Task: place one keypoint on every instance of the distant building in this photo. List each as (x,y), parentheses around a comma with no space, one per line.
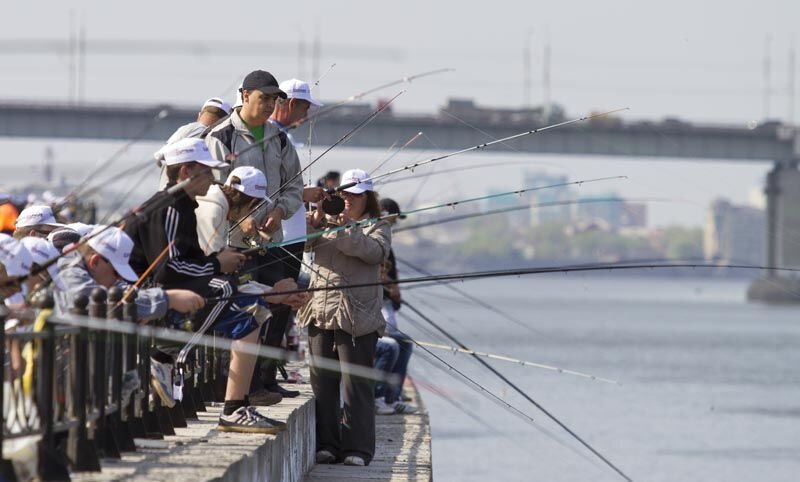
(552,213)
(611,211)
(467,110)
(734,233)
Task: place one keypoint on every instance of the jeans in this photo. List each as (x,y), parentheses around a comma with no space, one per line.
(386,352)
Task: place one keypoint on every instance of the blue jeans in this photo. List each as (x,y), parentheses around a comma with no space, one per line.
(400,368)
(387,351)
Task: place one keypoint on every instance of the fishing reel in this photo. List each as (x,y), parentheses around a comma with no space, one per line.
(333,205)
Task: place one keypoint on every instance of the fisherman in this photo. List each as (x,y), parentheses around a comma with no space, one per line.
(37,220)
(15,262)
(388,395)
(210,113)
(104,262)
(234,138)
(295,108)
(172,231)
(331,180)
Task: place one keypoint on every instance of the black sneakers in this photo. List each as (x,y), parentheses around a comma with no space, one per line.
(276,388)
(248,420)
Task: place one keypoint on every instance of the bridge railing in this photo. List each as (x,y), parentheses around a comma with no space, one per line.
(72,395)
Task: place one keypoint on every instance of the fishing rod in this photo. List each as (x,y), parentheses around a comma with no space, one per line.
(455,169)
(451,204)
(484,145)
(519,391)
(114,157)
(540,270)
(299,173)
(492,212)
(455,349)
(474,299)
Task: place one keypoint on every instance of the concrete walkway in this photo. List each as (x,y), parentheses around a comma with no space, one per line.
(403,451)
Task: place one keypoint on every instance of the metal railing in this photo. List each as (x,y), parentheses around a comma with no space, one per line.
(72,391)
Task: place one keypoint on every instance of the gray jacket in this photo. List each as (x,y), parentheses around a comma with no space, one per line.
(75,279)
(277,159)
(347,257)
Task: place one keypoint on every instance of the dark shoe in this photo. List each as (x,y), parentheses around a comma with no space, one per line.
(248,420)
(325,457)
(264,398)
(275,388)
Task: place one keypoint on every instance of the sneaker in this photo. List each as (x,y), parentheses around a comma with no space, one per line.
(161,381)
(130,383)
(248,420)
(354,460)
(264,398)
(275,388)
(325,457)
(383,408)
(403,408)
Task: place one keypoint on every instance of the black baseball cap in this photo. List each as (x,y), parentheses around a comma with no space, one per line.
(390,206)
(263,81)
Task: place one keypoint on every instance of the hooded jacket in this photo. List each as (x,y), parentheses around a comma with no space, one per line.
(350,256)
(276,158)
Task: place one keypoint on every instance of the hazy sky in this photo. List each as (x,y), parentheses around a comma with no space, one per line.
(697,60)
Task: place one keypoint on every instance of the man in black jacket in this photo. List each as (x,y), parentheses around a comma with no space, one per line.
(166,240)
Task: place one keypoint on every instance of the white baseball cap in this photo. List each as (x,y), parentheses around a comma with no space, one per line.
(115,246)
(41,252)
(190,150)
(37,216)
(359,176)
(14,256)
(252,182)
(297,89)
(218,103)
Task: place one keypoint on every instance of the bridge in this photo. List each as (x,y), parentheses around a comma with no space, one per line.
(770,142)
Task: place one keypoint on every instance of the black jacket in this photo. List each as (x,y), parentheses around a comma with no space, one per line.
(168,221)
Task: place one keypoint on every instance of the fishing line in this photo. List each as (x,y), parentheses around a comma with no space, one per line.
(521,392)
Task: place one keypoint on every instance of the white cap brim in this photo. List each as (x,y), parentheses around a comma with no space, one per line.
(124,271)
(356,189)
(213,164)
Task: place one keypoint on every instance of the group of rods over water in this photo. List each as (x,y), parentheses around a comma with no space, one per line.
(333,205)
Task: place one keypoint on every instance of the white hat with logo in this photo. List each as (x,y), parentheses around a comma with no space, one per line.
(187,150)
(14,256)
(41,252)
(218,103)
(37,216)
(297,89)
(252,182)
(360,177)
(115,246)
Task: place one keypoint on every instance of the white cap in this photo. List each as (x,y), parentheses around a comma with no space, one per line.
(81,228)
(115,246)
(218,103)
(41,252)
(187,150)
(359,176)
(297,89)
(37,215)
(252,183)
(14,256)
(239,99)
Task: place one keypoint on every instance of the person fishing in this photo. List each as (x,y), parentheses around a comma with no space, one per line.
(345,325)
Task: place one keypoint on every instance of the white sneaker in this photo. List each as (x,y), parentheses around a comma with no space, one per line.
(382,408)
(249,420)
(403,408)
(354,460)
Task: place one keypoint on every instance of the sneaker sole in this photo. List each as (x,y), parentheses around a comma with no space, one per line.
(165,399)
(268,431)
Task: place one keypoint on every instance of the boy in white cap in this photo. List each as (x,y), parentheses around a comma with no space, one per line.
(36,221)
(172,230)
(210,113)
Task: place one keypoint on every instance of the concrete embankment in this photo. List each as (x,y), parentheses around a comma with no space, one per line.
(775,290)
(201,453)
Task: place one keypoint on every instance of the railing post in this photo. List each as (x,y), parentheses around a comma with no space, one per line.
(6,466)
(133,416)
(52,464)
(148,415)
(198,378)
(105,441)
(80,450)
(119,429)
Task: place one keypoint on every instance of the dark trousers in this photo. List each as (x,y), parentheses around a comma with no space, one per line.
(279,265)
(355,435)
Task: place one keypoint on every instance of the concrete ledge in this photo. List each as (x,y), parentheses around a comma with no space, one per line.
(200,453)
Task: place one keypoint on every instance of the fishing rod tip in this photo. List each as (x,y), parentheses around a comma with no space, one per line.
(163,113)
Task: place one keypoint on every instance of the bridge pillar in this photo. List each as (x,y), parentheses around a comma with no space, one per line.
(783,216)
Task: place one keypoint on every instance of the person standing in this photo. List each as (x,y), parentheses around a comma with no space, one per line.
(345,325)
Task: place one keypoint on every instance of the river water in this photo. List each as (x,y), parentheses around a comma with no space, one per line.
(710,384)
